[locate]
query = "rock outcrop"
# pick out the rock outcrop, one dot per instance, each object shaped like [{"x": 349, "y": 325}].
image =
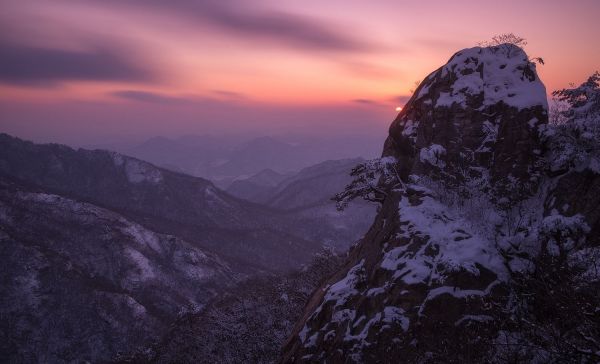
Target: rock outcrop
[{"x": 432, "y": 280}]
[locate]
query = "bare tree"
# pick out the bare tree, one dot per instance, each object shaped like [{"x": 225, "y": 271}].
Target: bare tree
[
  {"x": 505, "y": 38},
  {"x": 372, "y": 182},
  {"x": 506, "y": 43}
]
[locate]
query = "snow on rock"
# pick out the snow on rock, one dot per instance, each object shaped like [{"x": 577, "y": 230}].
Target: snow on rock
[
  {"x": 143, "y": 236},
  {"x": 449, "y": 234},
  {"x": 396, "y": 314},
  {"x": 410, "y": 129},
  {"x": 564, "y": 232},
  {"x": 477, "y": 318},
  {"x": 144, "y": 270},
  {"x": 212, "y": 196},
  {"x": 433, "y": 155},
  {"x": 500, "y": 74},
  {"x": 457, "y": 292},
  {"x": 342, "y": 290},
  {"x": 192, "y": 264},
  {"x": 137, "y": 171},
  {"x": 138, "y": 309}
]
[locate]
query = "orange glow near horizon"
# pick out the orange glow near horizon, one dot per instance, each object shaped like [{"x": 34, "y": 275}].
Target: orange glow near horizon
[{"x": 338, "y": 54}]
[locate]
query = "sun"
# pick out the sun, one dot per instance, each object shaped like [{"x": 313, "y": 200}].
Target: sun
[{"x": 398, "y": 108}]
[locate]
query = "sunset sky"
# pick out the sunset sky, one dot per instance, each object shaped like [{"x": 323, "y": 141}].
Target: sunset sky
[{"x": 90, "y": 71}]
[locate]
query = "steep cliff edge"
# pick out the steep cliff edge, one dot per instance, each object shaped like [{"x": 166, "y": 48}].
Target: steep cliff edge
[{"x": 471, "y": 208}]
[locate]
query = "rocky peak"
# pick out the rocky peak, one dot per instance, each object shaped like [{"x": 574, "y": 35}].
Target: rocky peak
[
  {"x": 477, "y": 114},
  {"x": 433, "y": 278}
]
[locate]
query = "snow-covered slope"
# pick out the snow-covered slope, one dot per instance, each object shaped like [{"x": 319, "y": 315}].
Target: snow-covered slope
[{"x": 81, "y": 282}]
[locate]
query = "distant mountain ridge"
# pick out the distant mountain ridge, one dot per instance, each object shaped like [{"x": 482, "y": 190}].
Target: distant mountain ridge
[
  {"x": 225, "y": 159},
  {"x": 171, "y": 202},
  {"x": 313, "y": 185},
  {"x": 308, "y": 194},
  {"x": 256, "y": 188}
]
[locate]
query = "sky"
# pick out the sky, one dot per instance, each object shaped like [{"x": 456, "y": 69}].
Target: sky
[{"x": 96, "y": 71}]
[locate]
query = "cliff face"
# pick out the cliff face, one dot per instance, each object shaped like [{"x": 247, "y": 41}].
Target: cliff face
[{"x": 433, "y": 278}]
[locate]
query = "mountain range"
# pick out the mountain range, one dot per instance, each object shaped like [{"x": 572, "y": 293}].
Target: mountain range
[
  {"x": 223, "y": 159},
  {"x": 137, "y": 242}
]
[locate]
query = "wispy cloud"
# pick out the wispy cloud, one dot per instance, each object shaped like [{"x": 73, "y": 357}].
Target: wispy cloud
[
  {"x": 229, "y": 94},
  {"x": 146, "y": 96},
  {"x": 439, "y": 43},
  {"x": 366, "y": 102},
  {"x": 219, "y": 97},
  {"x": 392, "y": 101},
  {"x": 400, "y": 99},
  {"x": 38, "y": 66},
  {"x": 369, "y": 70},
  {"x": 249, "y": 21}
]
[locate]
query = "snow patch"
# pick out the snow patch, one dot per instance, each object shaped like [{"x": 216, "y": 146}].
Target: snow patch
[
  {"x": 410, "y": 129},
  {"x": 138, "y": 309},
  {"x": 145, "y": 271},
  {"x": 477, "y": 318},
  {"x": 450, "y": 245},
  {"x": 344, "y": 289},
  {"x": 143, "y": 236},
  {"x": 396, "y": 315},
  {"x": 433, "y": 155},
  {"x": 138, "y": 171}
]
